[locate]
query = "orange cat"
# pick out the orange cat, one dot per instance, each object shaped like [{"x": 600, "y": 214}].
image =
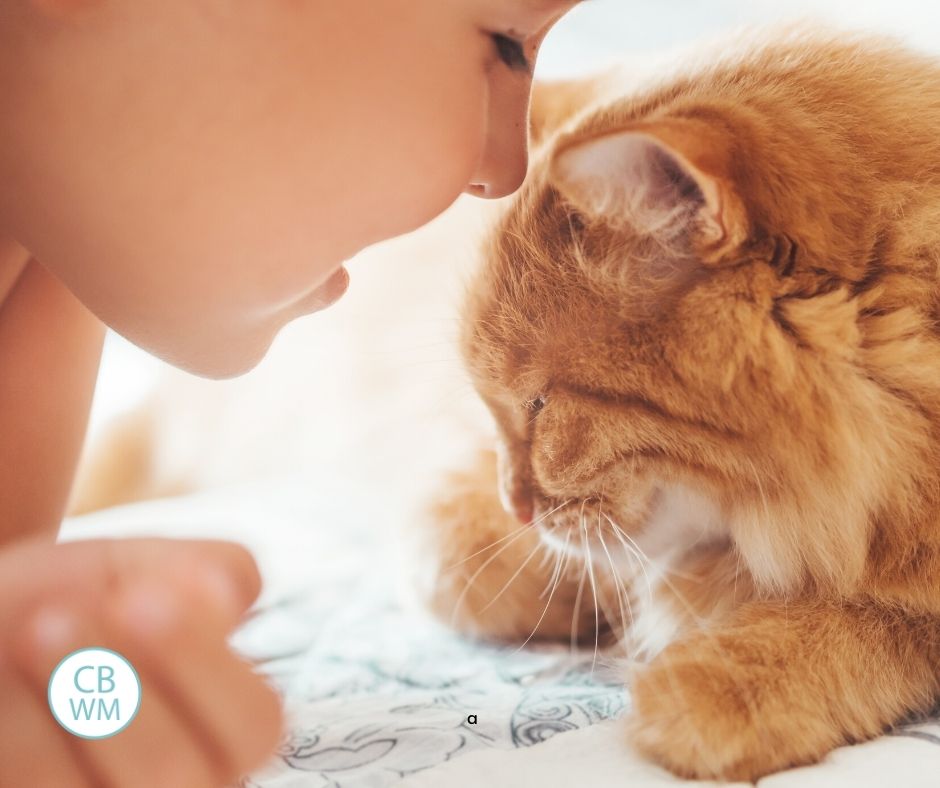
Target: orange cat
[{"x": 708, "y": 329}]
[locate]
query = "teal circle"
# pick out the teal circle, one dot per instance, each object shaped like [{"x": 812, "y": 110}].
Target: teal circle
[{"x": 140, "y": 692}]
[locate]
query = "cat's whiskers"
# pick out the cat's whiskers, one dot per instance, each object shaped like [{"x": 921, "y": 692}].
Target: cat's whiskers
[
  {"x": 534, "y": 552},
  {"x": 509, "y": 540},
  {"x": 700, "y": 622},
  {"x": 634, "y": 549},
  {"x": 619, "y": 584},
  {"x": 512, "y": 537},
  {"x": 622, "y": 592},
  {"x": 585, "y": 541},
  {"x": 516, "y": 535},
  {"x": 516, "y": 531},
  {"x": 561, "y": 561},
  {"x": 576, "y": 613},
  {"x": 549, "y": 513},
  {"x": 547, "y": 557}
]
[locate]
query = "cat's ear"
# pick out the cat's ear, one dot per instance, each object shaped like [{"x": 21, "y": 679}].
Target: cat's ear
[
  {"x": 672, "y": 178},
  {"x": 555, "y": 102}
]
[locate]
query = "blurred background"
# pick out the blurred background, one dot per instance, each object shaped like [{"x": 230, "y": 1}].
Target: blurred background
[{"x": 591, "y": 37}]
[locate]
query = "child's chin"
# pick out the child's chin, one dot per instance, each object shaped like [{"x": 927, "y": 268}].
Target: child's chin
[{"x": 224, "y": 358}]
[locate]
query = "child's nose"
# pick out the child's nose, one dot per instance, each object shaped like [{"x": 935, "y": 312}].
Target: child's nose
[{"x": 502, "y": 167}]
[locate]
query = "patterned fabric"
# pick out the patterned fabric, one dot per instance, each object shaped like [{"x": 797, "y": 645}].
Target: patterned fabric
[
  {"x": 376, "y": 692},
  {"x": 922, "y": 731},
  {"x": 380, "y": 695}
]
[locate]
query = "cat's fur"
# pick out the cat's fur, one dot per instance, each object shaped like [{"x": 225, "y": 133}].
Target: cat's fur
[{"x": 707, "y": 329}]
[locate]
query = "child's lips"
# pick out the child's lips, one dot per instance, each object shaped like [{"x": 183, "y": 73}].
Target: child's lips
[{"x": 329, "y": 292}]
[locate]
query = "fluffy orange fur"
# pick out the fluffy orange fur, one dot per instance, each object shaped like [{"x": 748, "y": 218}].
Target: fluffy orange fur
[{"x": 708, "y": 329}]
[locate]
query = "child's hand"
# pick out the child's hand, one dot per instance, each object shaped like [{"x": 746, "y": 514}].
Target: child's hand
[{"x": 167, "y": 606}]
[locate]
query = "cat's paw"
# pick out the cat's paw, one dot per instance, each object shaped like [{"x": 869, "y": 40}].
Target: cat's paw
[{"x": 707, "y": 710}]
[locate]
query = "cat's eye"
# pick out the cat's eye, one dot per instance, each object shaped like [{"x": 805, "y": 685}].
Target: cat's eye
[
  {"x": 512, "y": 53},
  {"x": 534, "y": 405}
]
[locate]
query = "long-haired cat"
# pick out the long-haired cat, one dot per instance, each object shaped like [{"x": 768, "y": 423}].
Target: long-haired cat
[{"x": 708, "y": 329}]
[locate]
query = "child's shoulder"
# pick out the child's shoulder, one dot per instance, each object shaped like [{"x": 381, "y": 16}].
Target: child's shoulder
[{"x": 13, "y": 261}]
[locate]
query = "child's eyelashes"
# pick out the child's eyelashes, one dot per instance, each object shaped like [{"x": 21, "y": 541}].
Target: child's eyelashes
[{"x": 512, "y": 53}]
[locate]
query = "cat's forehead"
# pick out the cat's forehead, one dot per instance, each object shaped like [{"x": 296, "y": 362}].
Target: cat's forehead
[{"x": 522, "y": 329}]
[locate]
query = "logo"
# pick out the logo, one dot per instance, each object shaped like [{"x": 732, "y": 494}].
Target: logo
[{"x": 94, "y": 693}]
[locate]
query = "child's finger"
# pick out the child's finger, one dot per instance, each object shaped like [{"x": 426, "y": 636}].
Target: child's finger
[
  {"x": 34, "y": 750},
  {"x": 99, "y": 567},
  {"x": 237, "y": 714},
  {"x": 129, "y": 757},
  {"x": 226, "y": 563}
]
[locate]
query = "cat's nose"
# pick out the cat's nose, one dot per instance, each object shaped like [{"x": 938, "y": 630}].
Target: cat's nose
[
  {"x": 515, "y": 490},
  {"x": 517, "y": 506},
  {"x": 521, "y": 508}
]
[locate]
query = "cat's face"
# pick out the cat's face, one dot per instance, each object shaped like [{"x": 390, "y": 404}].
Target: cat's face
[{"x": 645, "y": 337}]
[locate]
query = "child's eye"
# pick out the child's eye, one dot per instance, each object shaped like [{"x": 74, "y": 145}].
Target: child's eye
[{"x": 511, "y": 53}]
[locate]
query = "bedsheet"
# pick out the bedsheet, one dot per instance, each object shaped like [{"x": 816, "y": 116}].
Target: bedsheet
[{"x": 378, "y": 694}]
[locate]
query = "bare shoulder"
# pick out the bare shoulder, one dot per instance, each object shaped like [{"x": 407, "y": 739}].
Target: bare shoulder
[
  {"x": 50, "y": 346},
  {"x": 13, "y": 261}
]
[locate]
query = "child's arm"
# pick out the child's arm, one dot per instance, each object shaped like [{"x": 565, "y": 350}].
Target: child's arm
[
  {"x": 168, "y": 606},
  {"x": 49, "y": 351}
]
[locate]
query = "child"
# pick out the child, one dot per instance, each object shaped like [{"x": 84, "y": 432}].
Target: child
[{"x": 193, "y": 173}]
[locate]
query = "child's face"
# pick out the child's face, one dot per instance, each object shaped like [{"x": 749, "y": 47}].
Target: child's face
[{"x": 198, "y": 170}]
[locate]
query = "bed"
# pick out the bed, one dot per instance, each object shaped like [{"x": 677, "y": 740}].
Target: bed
[{"x": 378, "y": 694}]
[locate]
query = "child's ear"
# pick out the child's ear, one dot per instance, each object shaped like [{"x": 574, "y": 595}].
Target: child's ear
[{"x": 671, "y": 178}]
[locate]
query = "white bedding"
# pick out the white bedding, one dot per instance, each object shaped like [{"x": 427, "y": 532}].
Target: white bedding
[{"x": 379, "y": 695}]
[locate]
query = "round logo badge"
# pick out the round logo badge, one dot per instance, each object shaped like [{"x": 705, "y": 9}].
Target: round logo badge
[{"x": 94, "y": 693}]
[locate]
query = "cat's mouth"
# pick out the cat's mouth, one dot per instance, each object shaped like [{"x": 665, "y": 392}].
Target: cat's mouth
[
  {"x": 665, "y": 519},
  {"x": 595, "y": 526}
]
